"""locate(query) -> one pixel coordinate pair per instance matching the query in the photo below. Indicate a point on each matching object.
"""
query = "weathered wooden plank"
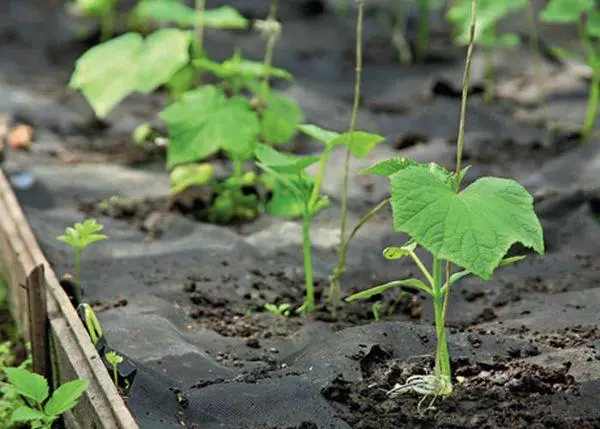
(71, 350)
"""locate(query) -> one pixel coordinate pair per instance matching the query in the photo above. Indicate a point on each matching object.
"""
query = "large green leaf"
(474, 228)
(65, 397)
(280, 119)
(566, 10)
(28, 384)
(173, 12)
(26, 414)
(205, 121)
(111, 71)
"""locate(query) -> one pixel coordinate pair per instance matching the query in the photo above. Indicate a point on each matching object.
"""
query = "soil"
(185, 300)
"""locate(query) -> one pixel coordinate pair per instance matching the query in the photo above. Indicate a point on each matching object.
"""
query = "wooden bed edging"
(72, 354)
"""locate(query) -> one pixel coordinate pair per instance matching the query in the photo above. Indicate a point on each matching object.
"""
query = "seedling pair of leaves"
(586, 15)
(472, 229)
(39, 409)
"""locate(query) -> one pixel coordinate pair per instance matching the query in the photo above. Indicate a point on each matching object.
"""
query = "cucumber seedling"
(114, 359)
(586, 14)
(472, 228)
(39, 409)
(79, 236)
(279, 310)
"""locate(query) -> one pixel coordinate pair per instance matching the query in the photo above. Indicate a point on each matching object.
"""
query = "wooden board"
(72, 353)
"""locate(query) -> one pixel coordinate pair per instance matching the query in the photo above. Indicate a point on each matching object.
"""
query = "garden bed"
(184, 300)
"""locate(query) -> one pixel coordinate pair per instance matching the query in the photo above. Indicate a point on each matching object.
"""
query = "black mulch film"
(183, 299)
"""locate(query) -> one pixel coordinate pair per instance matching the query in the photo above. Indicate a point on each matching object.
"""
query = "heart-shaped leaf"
(474, 228)
(111, 71)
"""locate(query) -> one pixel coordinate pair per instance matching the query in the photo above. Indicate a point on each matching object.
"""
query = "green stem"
(199, 26)
(336, 274)
(423, 35)
(442, 357)
(238, 168)
(107, 25)
(77, 276)
(534, 46)
(592, 107)
(465, 92)
(116, 376)
(490, 81)
(422, 267)
(316, 191)
(353, 119)
(309, 300)
(268, 60)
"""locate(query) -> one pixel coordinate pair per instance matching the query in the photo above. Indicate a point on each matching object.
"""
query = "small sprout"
(376, 308)
(114, 359)
(279, 310)
(79, 237)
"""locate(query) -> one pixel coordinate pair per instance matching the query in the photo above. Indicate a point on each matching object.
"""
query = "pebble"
(20, 137)
(253, 343)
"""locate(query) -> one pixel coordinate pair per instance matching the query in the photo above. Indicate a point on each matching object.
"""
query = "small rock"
(530, 350)
(273, 350)
(253, 343)
(20, 137)
(189, 285)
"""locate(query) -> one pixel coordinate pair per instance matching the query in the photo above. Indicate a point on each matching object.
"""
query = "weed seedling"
(586, 14)
(114, 359)
(38, 409)
(79, 237)
(471, 228)
(376, 309)
(279, 310)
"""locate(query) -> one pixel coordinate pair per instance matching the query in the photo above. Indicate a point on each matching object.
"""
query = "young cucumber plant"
(490, 12)
(114, 359)
(471, 228)
(586, 14)
(40, 410)
(79, 237)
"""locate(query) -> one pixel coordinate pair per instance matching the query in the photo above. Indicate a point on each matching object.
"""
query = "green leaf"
(65, 397)
(184, 176)
(224, 17)
(26, 414)
(111, 71)
(165, 12)
(173, 12)
(285, 163)
(284, 202)
(205, 121)
(389, 166)
(280, 119)
(474, 228)
(365, 294)
(593, 23)
(28, 384)
(489, 12)
(318, 133)
(97, 8)
(393, 252)
(83, 234)
(360, 144)
(565, 10)
(237, 66)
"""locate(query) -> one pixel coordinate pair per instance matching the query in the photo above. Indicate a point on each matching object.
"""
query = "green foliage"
(95, 8)
(111, 71)
(489, 12)
(474, 228)
(360, 143)
(280, 119)
(279, 310)
(26, 397)
(565, 11)
(184, 176)
(114, 359)
(83, 234)
(376, 309)
(205, 121)
(174, 12)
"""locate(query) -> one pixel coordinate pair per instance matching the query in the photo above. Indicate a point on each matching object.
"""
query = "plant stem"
(335, 287)
(592, 107)
(199, 26)
(116, 376)
(534, 46)
(268, 60)
(309, 300)
(465, 92)
(77, 276)
(238, 168)
(442, 357)
(357, 89)
(423, 36)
